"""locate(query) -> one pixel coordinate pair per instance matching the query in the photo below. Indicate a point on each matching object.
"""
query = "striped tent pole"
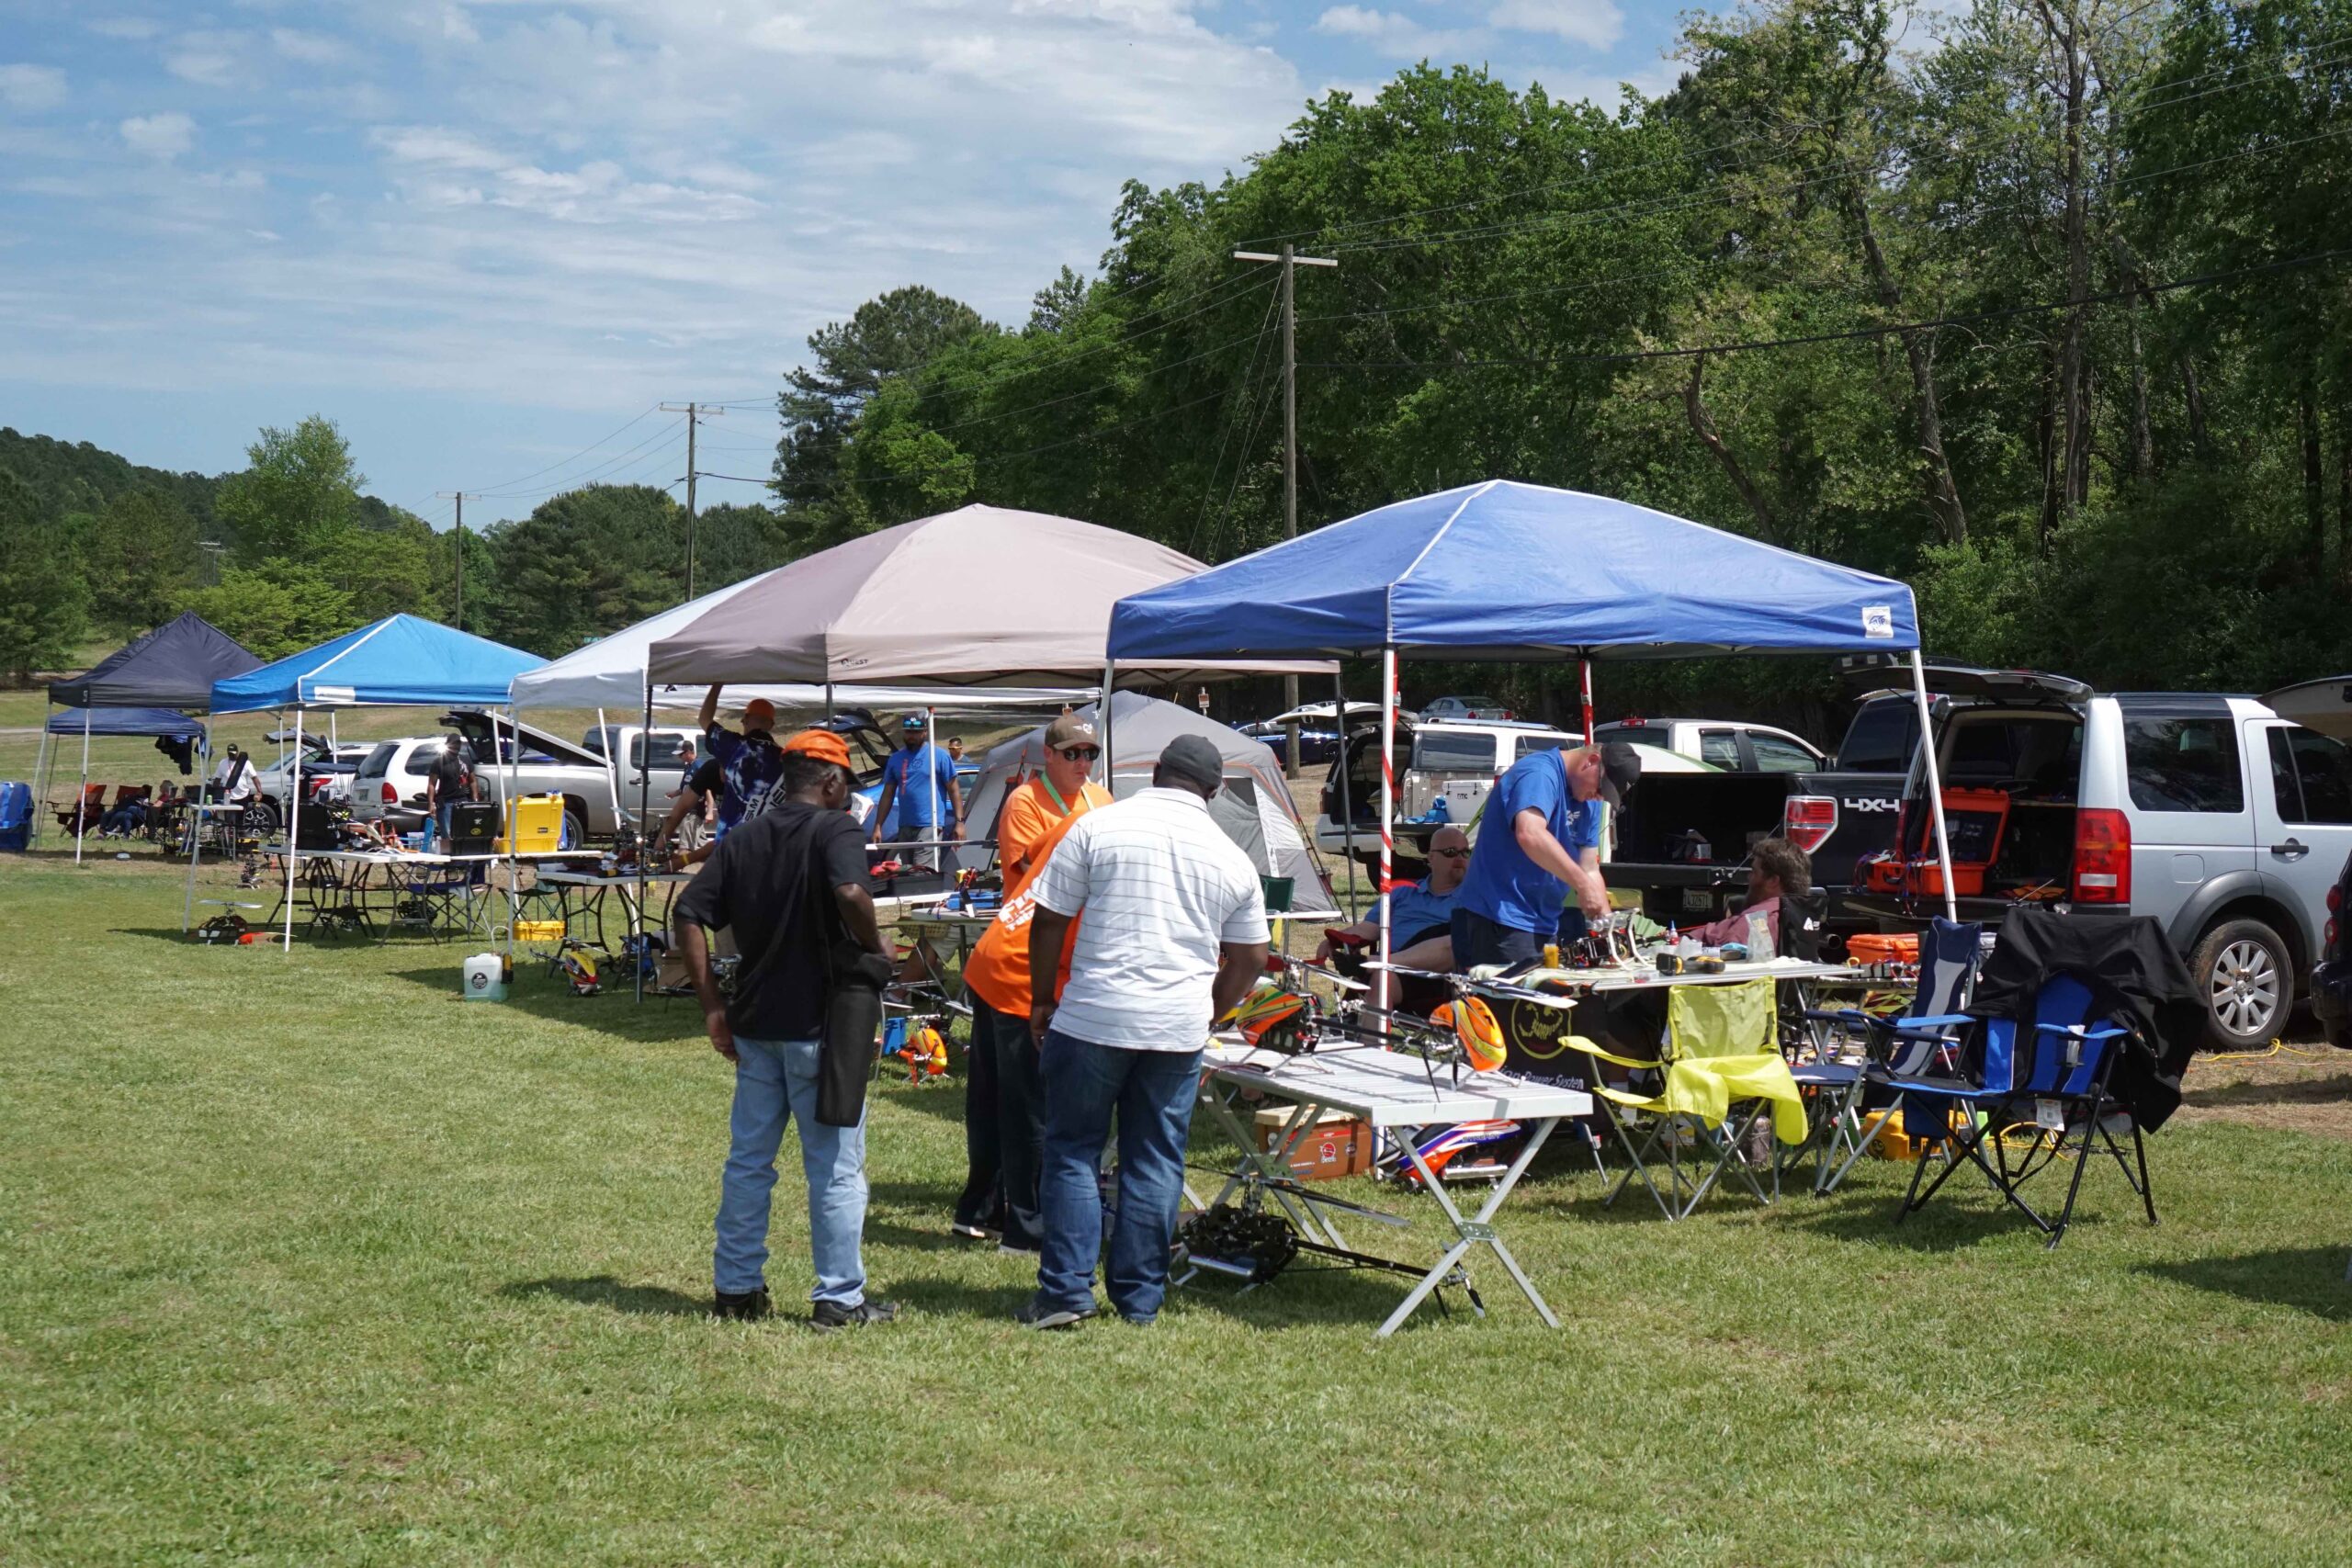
(1387, 791)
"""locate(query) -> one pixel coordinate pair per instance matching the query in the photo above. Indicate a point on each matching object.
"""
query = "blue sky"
(484, 235)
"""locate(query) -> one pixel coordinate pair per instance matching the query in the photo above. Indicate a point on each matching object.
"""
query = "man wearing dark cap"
(1539, 850)
(921, 780)
(449, 780)
(1174, 934)
(1003, 1096)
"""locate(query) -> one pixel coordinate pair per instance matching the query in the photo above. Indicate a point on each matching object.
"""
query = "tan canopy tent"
(980, 596)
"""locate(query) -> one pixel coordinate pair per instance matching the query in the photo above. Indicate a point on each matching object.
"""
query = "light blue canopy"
(1502, 571)
(399, 661)
(125, 721)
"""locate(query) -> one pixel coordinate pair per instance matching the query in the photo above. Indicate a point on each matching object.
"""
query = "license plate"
(1697, 901)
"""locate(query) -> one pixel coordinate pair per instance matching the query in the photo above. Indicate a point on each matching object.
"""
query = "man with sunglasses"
(1005, 1100)
(1416, 909)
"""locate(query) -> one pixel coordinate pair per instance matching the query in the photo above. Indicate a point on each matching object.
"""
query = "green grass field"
(304, 1260)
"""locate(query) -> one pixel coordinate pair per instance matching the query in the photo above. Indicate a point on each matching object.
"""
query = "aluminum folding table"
(1388, 1091)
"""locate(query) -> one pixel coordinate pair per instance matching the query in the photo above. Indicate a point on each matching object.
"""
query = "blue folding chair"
(2055, 1073)
(1907, 1046)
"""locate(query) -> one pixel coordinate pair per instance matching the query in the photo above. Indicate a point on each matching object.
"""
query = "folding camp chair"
(1909, 1046)
(82, 816)
(1719, 1056)
(2054, 1074)
(437, 897)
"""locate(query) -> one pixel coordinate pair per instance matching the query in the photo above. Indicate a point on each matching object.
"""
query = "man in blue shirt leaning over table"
(1539, 849)
(921, 779)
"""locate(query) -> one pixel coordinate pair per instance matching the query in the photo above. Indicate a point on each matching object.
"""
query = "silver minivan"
(2222, 820)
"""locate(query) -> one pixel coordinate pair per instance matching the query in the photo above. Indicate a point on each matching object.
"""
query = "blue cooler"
(15, 814)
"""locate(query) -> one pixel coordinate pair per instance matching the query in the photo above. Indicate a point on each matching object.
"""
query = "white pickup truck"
(1450, 768)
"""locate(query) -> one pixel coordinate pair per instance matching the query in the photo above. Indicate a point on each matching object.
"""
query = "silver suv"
(2211, 813)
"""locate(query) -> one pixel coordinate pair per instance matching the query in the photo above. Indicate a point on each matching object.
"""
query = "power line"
(578, 480)
(1977, 318)
(507, 484)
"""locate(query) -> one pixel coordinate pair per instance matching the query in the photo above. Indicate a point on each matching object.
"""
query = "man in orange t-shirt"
(1003, 1099)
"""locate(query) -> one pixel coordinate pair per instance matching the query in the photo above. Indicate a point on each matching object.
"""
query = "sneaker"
(968, 1233)
(742, 1306)
(825, 1317)
(1035, 1314)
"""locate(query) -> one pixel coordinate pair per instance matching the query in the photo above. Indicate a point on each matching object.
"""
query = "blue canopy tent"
(1503, 572)
(170, 667)
(399, 661)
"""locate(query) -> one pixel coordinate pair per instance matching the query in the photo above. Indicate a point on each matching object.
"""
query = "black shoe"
(743, 1306)
(1035, 1314)
(825, 1317)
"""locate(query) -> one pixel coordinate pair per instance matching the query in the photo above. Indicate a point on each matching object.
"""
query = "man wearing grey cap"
(1539, 851)
(1174, 934)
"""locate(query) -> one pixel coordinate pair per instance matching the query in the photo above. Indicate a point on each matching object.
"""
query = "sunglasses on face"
(1080, 753)
(1453, 854)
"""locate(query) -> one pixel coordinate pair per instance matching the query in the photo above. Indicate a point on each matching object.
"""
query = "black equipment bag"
(854, 980)
(320, 826)
(473, 825)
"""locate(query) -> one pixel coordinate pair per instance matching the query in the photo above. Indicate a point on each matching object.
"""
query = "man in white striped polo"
(1174, 934)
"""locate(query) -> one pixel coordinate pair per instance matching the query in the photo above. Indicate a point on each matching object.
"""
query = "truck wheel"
(2247, 981)
(262, 816)
(574, 833)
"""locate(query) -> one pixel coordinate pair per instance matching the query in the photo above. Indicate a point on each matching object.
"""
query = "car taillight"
(2103, 857)
(1809, 819)
(1508, 715)
(2335, 899)
(391, 795)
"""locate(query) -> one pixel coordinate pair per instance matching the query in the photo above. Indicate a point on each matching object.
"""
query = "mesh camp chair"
(1909, 1046)
(1718, 1071)
(2047, 1078)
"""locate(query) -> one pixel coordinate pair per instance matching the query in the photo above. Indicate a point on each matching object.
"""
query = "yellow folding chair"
(1720, 1055)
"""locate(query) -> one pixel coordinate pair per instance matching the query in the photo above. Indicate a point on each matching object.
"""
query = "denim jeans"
(1477, 939)
(775, 1081)
(1152, 1091)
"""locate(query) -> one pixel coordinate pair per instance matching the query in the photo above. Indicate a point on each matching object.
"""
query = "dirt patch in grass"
(2304, 1086)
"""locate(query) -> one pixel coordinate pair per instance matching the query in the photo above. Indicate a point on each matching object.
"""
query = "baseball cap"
(914, 721)
(759, 711)
(822, 744)
(1194, 757)
(1620, 770)
(1070, 730)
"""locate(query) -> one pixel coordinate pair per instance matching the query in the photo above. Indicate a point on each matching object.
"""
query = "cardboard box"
(1338, 1145)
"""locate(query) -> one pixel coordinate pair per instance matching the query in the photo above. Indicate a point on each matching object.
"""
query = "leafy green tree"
(734, 542)
(300, 489)
(277, 608)
(379, 573)
(44, 605)
(141, 555)
(585, 563)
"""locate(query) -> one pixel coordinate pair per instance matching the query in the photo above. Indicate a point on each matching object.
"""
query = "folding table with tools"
(580, 895)
(1390, 1091)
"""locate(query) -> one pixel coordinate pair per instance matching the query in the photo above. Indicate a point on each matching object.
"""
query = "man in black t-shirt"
(449, 780)
(791, 883)
(685, 828)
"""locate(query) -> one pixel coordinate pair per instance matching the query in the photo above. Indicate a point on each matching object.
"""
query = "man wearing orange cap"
(1005, 1102)
(791, 883)
(748, 764)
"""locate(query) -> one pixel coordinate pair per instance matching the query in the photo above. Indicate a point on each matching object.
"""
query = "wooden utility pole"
(694, 412)
(457, 618)
(1290, 263)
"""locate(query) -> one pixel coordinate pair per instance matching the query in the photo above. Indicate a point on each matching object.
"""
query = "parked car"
(1464, 708)
(1315, 744)
(1731, 745)
(390, 785)
(2211, 813)
(326, 776)
(1450, 768)
(2326, 706)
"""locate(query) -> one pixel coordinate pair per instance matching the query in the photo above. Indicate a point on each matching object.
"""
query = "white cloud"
(306, 48)
(166, 135)
(28, 89)
(1598, 24)
(209, 60)
(1389, 32)
(457, 27)
(131, 27)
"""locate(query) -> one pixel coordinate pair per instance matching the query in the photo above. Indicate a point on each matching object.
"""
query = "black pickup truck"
(1837, 818)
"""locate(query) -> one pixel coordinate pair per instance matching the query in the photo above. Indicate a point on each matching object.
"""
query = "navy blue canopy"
(127, 721)
(1502, 571)
(172, 667)
(399, 661)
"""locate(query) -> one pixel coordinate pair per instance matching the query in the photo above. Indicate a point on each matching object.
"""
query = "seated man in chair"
(1418, 914)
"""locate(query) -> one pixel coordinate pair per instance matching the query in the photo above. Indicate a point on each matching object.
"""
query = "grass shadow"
(2333, 1090)
(603, 1291)
(2309, 1278)
(613, 1010)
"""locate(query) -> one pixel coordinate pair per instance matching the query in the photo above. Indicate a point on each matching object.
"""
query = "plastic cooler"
(538, 821)
(15, 814)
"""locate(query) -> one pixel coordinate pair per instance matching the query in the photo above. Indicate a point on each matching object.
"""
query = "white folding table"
(1388, 1090)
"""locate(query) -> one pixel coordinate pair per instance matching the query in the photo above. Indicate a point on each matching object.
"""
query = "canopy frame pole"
(930, 775)
(40, 770)
(1103, 711)
(81, 801)
(195, 819)
(293, 823)
(1584, 686)
(613, 766)
(1346, 806)
(644, 798)
(511, 817)
(1387, 793)
(1934, 783)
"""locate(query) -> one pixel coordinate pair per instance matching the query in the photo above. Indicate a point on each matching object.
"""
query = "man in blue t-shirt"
(1540, 848)
(748, 764)
(921, 779)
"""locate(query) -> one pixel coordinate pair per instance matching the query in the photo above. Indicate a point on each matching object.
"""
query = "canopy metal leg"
(1935, 783)
(81, 801)
(1347, 804)
(293, 825)
(1387, 793)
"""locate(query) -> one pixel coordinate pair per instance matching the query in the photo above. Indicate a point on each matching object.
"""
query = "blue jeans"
(1153, 1093)
(775, 1080)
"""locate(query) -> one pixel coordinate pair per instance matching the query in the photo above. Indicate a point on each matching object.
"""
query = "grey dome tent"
(1254, 808)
